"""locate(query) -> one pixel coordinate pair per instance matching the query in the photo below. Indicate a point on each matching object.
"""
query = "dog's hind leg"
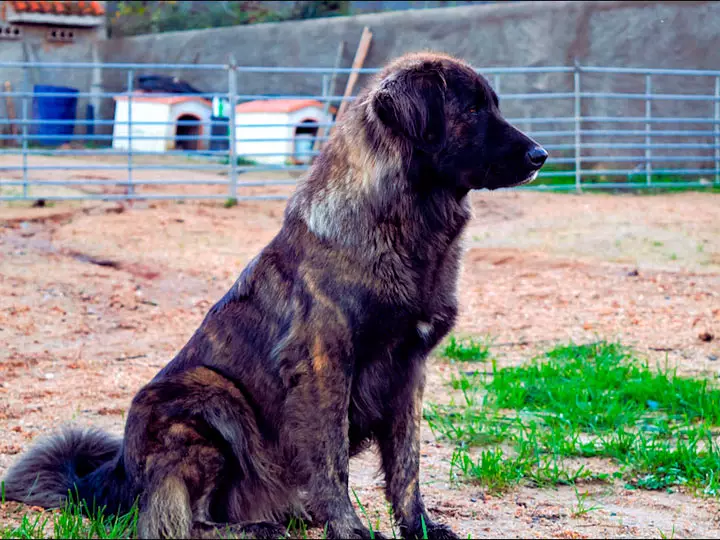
(167, 513)
(193, 440)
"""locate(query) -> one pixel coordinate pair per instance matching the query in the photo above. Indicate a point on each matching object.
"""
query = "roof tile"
(65, 7)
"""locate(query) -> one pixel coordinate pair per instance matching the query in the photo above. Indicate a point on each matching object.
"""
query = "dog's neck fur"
(369, 190)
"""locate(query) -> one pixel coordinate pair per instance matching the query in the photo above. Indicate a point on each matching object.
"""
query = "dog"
(318, 350)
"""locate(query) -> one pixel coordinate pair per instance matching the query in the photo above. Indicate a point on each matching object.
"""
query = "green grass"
(582, 508)
(468, 350)
(534, 423)
(601, 386)
(75, 520)
(549, 176)
(241, 161)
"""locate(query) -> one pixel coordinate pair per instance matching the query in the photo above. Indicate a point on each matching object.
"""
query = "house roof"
(59, 7)
(139, 97)
(277, 105)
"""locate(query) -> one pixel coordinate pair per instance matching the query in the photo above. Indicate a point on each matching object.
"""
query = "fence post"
(578, 112)
(26, 91)
(232, 97)
(130, 85)
(648, 128)
(717, 130)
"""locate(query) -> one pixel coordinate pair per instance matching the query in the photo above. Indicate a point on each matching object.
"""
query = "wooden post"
(10, 106)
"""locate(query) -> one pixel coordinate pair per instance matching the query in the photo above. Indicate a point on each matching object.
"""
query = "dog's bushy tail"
(83, 462)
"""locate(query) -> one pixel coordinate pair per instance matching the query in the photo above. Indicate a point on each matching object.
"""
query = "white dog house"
(172, 114)
(273, 131)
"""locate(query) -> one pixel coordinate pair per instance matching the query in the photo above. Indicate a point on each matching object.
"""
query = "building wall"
(271, 126)
(34, 47)
(143, 111)
(644, 34)
(161, 136)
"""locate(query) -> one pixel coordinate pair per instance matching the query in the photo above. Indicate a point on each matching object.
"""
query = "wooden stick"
(10, 107)
(360, 55)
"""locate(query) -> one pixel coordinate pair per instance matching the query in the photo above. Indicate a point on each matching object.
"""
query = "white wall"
(278, 130)
(244, 129)
(157, 111)
(142, 111)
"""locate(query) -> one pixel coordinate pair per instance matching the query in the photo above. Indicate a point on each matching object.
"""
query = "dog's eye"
(472, 109)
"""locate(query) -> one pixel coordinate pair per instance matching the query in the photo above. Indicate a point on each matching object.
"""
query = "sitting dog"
(319, 348)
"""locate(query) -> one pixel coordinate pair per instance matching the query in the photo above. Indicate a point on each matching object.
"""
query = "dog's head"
(444, 111)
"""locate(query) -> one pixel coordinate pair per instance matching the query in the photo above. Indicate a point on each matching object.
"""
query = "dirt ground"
(78, 339)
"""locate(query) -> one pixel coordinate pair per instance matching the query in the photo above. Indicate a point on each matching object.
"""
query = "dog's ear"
(411, 103)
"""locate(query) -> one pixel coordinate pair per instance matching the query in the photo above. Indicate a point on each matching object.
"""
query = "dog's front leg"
(317, 411)
(399, 442)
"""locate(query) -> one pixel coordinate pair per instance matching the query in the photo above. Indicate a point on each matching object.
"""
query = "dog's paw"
(260, 531)
(435, 531)
(438, 531)
(356, 532)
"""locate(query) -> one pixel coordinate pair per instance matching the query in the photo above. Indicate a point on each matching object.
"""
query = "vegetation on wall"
(129, 18)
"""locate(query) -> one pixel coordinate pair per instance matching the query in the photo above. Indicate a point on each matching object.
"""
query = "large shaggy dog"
(320, 346)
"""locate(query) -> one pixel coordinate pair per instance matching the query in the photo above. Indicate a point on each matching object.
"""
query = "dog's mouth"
(527, 180)
(516, 183)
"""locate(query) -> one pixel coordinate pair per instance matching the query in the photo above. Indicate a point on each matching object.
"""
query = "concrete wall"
(34, 47)
(643, 34)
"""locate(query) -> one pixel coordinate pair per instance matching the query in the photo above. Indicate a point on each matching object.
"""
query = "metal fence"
(604, 127)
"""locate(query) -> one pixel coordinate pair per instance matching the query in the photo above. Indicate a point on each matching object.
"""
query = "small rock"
(633, 273)
(706, 336)
(473, 499)
(712, 357)
(49, 376)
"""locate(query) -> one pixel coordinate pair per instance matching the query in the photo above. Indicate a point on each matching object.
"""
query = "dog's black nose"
(536, 156)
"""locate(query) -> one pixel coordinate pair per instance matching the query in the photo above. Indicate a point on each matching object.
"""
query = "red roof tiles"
(59, 8)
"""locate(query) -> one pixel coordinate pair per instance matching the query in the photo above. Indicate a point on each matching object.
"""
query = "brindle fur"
(320, 346)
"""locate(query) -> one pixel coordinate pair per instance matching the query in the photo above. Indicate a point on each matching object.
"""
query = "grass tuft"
(600, 386)
(75, 520)
(468, 350)
(579, 401)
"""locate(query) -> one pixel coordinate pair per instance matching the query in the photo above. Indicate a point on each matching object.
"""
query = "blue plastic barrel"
(59, 111)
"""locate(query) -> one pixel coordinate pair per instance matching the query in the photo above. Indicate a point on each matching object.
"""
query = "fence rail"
(605, 128)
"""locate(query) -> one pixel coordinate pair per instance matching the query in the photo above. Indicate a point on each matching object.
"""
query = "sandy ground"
(77, 340)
